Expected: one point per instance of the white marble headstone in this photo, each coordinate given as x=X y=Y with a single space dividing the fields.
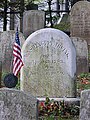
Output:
x=49 y=64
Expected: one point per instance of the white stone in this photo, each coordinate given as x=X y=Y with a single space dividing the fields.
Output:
x=49 y=64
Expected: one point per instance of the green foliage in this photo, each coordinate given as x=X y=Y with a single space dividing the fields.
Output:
x=86 y=75
x=83 y=82
x=63 y=26
x=18 y=85
x=60 y=109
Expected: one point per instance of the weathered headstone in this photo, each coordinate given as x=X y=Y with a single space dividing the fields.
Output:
x=0 y=60
x=85 y=105
x=49 y=64
x=81 y=55
x=80 y=20
x=33 y=20
x=17 y=105
x=7 y=39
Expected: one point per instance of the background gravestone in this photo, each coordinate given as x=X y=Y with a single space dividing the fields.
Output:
x=85 y=105
x=49 y=64
x=0 y=59
x=33 y=20
x=17 y=105
x=81 y=55
x=7 y=39
x=80 y=20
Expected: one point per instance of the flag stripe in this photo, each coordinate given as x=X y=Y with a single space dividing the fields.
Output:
x=17 y=67
x=17 y=62
x=17 y=54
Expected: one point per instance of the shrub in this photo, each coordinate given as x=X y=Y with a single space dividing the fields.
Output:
x=57 y=108
x=83 y=82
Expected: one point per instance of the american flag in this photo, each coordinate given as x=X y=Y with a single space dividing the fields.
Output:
x=17 y=62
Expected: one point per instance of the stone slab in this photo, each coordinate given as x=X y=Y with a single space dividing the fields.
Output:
x=17 y=105
x=49 y=58
x=85 y=105
x=7 y=39
x=81 y=55
x=33 y=20
x=80 y=20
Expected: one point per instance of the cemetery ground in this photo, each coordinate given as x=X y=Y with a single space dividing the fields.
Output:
x=49 y=110
x=57 y=110
x=53 y=110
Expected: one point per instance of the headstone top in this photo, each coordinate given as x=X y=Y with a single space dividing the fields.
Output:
x=79 y=19
x=33 y=20
x=33 y=11
x=51 y=35
x=49 y=67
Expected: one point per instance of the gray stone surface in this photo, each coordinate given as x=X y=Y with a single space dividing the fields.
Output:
x=81 y=55
x=80 y=20
x=85 y=105
x=49 y=64
x=33 y=20
x=17 y=105
x=7 y=39
x=0 y=60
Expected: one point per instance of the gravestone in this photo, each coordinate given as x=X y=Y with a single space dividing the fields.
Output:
x=85 y=105
x=33 y=20
x=17 y=105
x=80 y=20
x=7 y=39
x=49 y=64
x=81 y=55
x=0 y=60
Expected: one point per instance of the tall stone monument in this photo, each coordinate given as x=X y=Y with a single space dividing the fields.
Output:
x=49 y=64
x=33 y=20
x=80 y=20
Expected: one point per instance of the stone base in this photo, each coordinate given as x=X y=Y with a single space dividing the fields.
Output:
x=75 y=101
